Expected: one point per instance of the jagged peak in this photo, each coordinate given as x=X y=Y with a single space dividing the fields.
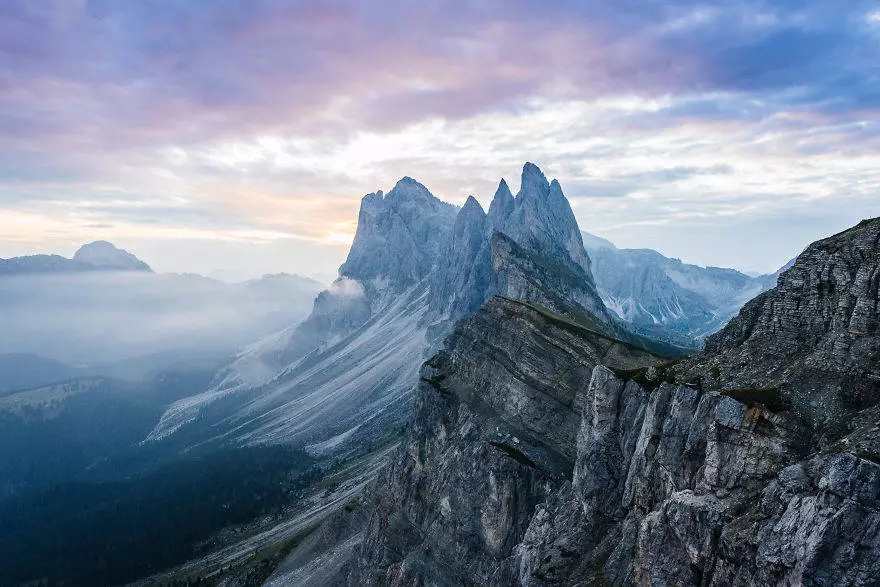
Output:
x=470 y=215
x=471 y=205
x=533 y=181
x=408 y=188
x=502 y=204
x=372 y=199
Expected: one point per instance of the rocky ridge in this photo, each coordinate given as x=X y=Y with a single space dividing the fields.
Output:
x=529 y=461
x=812 y=342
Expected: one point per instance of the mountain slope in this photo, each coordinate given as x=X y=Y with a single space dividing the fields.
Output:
x=814 y=338
x=522 y=467
x=341 y=380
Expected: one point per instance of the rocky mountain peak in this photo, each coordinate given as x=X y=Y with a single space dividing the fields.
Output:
x=470 y=226
x=542 y=219
x=527 y=248
x=373 y=199
x=399 y=237
x=103 y=254
x=502 y=205
x=471 y=208
x=408 y=190
x=533 y=183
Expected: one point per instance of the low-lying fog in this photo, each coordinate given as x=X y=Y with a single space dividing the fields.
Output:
x=88 y=318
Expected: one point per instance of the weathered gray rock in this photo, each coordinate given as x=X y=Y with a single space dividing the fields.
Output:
x=518 y=471
x=498 y=414
x=400 y=237
x=527 y=248
x=813 y=340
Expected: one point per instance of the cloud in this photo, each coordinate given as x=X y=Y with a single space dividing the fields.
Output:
x=347 y=288
x=266 y=119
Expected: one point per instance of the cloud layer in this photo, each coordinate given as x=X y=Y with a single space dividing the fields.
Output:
x=725 y=132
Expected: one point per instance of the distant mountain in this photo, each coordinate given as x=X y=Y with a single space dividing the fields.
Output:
x=665 y=297
x=104 y=255
x=96 y=256
x=105 y=305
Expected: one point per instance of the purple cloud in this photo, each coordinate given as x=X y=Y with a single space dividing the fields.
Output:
x=153 y=72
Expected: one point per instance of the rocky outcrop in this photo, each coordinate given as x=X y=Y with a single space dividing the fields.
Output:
x=563 y=287
x=541 y=220
x=495 y=433
x=520 y=468
x=659 y=473
x=459 y=287
x=527 y=247
x=812 y=342
x=400 y=237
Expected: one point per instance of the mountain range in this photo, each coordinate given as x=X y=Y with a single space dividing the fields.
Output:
x=753 y=462
x=342 y=379
x=492 y=396
x=549 y=444
x=667 y=298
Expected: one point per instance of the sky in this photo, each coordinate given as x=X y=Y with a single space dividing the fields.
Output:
x=236 y=137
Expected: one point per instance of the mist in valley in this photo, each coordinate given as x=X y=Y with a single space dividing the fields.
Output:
x=96 y=319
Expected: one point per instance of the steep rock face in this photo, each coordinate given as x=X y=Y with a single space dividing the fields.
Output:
x=659 y=472
x=541 y=219
x=527 y=248
x=459 y=286
x=815 y=337
x=495 y=432
x=399 y=237
x=503 y=204
x=560 y=286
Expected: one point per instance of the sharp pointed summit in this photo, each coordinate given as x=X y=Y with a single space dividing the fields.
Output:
x=542 y=219
x=502 y=205
x=533 y=182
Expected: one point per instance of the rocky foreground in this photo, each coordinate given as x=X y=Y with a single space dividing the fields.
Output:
x=545 y=451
